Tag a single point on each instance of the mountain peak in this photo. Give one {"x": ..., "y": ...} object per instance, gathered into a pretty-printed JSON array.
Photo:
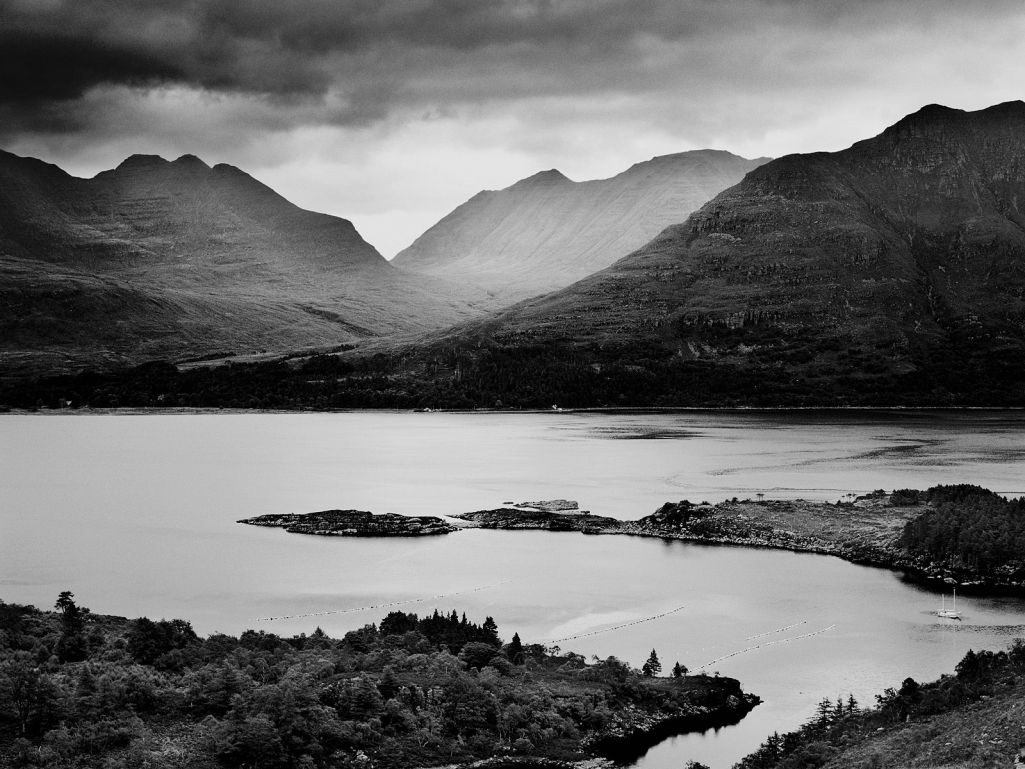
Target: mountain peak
[
  {"x": 190, "y": 161},
  {"x": 133, "y": 162},
  {"x": 892, "y": 269},
  {"x": 683, "y": 159},
  {"x": 673, "y": 157},
  {"x": 1016, "y": 107},
  {"x": 933, "y": 116},
  {"x": 548, "y": 178},
  {"x": 547, "y": 231}
]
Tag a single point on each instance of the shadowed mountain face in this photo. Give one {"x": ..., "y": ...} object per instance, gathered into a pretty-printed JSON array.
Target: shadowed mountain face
[
  {"x": 893, "y": 271},
  {"x": 177, "y": 259},
  {"x": 546, "y": 231}
]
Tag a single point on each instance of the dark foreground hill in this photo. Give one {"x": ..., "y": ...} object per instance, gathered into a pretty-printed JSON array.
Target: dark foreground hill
[
  {"x": 972, "y": 718},
  {"x": 177, "y": 259},
  {"x": 546, "y": 231}
]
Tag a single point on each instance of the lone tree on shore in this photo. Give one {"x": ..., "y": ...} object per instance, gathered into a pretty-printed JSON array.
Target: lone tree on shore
[{"x": 652, "y": 667}]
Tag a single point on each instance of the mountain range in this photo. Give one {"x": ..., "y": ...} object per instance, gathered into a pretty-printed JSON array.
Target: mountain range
[
  {"x": 172, "y": 259},
  {"x": 892, "y": 271},
  {"x": 546, "y": 231}
]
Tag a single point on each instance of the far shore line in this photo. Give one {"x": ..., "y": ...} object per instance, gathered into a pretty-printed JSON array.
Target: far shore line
[{"x": 175, "y": 410}]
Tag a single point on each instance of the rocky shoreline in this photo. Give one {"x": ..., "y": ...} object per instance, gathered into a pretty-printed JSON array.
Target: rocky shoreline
[
  {"x": 634, "y": 731},
  {"x": 864, "y": 530},
  {"x": 532, "y": 518}
]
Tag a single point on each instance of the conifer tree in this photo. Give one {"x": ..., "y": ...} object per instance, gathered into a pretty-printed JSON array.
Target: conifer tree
[
  {"x": 652, "y": 667},
  {"x": 515, "y": 650},
  {"x": 852, "y": 704},
  {"x": 490, "y": 628}
]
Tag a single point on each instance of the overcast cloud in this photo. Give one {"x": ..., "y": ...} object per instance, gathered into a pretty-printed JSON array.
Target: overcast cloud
[{"x": 392, "y": 112}]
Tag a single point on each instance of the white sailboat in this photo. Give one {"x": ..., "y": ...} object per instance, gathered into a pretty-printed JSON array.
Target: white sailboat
[{"x": 950, "y": 613}]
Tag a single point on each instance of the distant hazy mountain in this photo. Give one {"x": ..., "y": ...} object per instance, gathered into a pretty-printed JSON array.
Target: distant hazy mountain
[
  {"x": 546, "y": 231},
  {"x": 893, "y": 271},
  {"x": 177, "y": 259}
]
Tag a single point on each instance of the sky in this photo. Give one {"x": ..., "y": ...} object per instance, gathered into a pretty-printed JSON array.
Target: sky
[{"x": 391, "y": 113}]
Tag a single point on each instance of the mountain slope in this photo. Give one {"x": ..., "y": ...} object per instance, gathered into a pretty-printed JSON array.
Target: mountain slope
[
  {"x": 546, "y": 231},
  {"x": 178, "y": 259},
  {"x": 893, "y": 271}
]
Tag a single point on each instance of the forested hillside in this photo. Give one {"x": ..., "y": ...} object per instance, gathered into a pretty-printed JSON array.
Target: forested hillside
[
  {"x": 970, "y": 719},
  {"x": 83, "y": 690},
  {"x": 970, "y": 528}
]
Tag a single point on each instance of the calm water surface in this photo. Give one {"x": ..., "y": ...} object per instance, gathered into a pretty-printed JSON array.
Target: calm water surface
[{"x": 136, "y": 515}]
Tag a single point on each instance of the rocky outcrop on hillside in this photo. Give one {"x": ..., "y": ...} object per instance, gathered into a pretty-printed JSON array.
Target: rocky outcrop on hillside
[{"x": 546, "y": 231}]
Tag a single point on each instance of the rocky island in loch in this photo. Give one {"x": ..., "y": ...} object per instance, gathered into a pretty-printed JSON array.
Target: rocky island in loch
[
  {"x": 354, "y": 523},
  {"x": 959, "y": 534}
]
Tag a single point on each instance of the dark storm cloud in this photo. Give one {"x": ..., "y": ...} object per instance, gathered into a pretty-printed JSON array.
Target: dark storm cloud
[
  {"x": 59, "y": 50},
  {"x": 353, "y": 62},
  {"x": 53, "y": 67}
]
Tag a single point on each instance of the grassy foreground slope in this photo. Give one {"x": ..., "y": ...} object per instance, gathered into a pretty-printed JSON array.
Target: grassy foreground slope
[{"x": 973, "y": 719}]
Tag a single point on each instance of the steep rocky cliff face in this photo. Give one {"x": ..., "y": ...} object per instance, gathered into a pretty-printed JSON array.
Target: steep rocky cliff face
[
  {"x": 178, "y": 259},
  {"x": 546, "y": 231},
  {"x": 896, "y": 266}
]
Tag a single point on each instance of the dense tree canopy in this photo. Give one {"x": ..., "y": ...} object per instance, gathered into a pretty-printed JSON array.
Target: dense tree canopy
[
  {"x": 971, "y": 528},
  {"x": 413, "y": 691}
]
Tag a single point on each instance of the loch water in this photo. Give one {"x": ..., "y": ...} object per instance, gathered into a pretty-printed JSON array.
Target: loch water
[{"x": 136, "y": 515}]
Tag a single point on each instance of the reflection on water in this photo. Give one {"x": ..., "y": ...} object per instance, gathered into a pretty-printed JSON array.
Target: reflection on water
[{"x": 136, "y": 515}]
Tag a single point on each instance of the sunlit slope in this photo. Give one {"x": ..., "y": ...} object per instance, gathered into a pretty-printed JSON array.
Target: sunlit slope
[
  {"x": 900, "y": 260},
  {"x": 546, "y": 231}
]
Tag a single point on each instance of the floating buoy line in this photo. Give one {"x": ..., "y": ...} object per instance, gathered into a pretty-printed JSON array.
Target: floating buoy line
[
  {"x": 382, "y": 605},
  {"x": 778, "y": 630},
  {"x": 764, "y": 645},
  {"x": 616, "y": 627}
]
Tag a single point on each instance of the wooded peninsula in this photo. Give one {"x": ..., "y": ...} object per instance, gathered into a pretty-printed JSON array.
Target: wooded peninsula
[{"x": 80, "y": 690}]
